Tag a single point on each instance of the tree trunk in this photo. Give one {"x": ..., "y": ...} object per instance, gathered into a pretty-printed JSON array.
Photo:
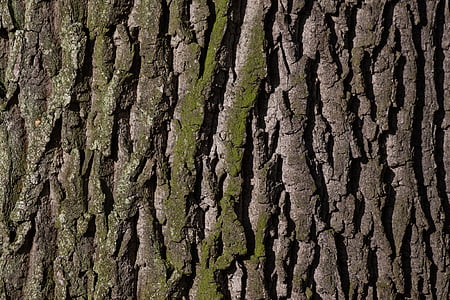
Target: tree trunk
[{"x": 209, "y": 149}]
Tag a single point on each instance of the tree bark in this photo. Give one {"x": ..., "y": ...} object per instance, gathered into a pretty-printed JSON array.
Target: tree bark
[{"x": 215, "y": 149}]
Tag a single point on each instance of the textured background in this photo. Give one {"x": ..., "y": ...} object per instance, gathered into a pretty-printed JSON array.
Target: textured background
[{"x": 207, "y": 149}]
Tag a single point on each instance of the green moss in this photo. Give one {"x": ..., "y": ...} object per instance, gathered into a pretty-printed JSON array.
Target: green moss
[
  {"x": 255, "y": 280},
  {"x": 14, "y": 57},
  {"x": 229, "y": 230},
  {"x": 99, "y": 15},
  {"x": 251, "y": 75},
  {"x": 124, "y": 200},
  {"x": 234, "y": 242},
  {"x": 208, "y": 288},
  {"x": 232, "y": 230},
  {"x": 104, "y": 265},
  {"x": 177, "y": 24},
  {"x": 229, "y": 237},
  {"x": 10, "y": 173},
  {"x": 260, "y": 249},
  {"x": 191, "y": 119},
  {"x": 232, "y": 190},
  {"x": 217, "y": 33},
  {"x": 351, "y": 290},
  {"x": 183, "y": 167},
  {"x": 299, "y": 78},
  {"x": 103, "y": 73},
  {"x": 154, "y": 285},
  {"x": 309, "y": 293}
]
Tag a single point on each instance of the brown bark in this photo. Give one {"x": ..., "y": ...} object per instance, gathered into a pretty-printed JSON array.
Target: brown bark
[{"x": 214, "y": 149}]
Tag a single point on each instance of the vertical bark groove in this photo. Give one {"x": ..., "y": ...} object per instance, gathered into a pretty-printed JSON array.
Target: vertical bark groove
[{"x": 216, "y": 149}]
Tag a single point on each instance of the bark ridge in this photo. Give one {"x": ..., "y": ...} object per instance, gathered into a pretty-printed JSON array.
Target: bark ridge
[{"x": 215, "y": 149}]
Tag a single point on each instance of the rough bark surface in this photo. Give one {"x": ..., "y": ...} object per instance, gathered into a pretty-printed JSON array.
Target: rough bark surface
[{"x": 208, "y": 149}]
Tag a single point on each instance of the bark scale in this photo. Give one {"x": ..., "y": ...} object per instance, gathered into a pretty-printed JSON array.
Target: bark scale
[{"x": 212, "y": 149}]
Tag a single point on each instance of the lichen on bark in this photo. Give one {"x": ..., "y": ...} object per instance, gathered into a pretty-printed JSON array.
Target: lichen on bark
[{"x": 213, "y": 149}]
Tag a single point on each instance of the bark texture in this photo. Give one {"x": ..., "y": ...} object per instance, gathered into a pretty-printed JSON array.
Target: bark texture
[{"x": 209, "y": 149}]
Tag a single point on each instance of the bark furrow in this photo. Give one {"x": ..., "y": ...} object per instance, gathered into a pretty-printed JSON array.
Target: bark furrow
[{"x": 216, "y": 149}]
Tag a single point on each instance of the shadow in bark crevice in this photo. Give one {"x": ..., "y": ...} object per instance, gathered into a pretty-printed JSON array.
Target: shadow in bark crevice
[
  {"x": 149, "y": 189},
  {"x": 55, "y": 137},
  {"x": 439, "y": 115},
  {"x": 273, "y": 74},
  {"x": 106, "y": 184},
  {"x": 387, "y": 19},
  {"x": 372, "y": 265},
  {"x": 351, "y": 13},
  {"x": 222, "y": 279},
  {"x": 270, "y": 276},
  {"x": 333, "y": 44},
  {"x": 127, "y": 277},
  {"x": 315, "y": 168},
  {"x": 297, "y": 28},
  {"x": 417, "y": 130},
  {"x": 387, "y": 210},
  {"x": 17, "y": 141},
  {"x": 360, "y": 208},
  {"x": 247, "y": 189},
  {"x": 293, "y": 247},
  {"x": 405, "y": 252},
  {"x": 399, "y": 96},
  {"x": 211, "y": 20},
  {"x": 433, "y": 267},
  {"x": 366, "y": 70},
  {"x": 342, "y": 263},
  {"x": 164, "y": 20},
  {"x": 27, "y": 242}
]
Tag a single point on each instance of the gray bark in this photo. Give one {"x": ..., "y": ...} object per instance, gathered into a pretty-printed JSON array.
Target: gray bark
[{"x": 214, "y": 149}]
